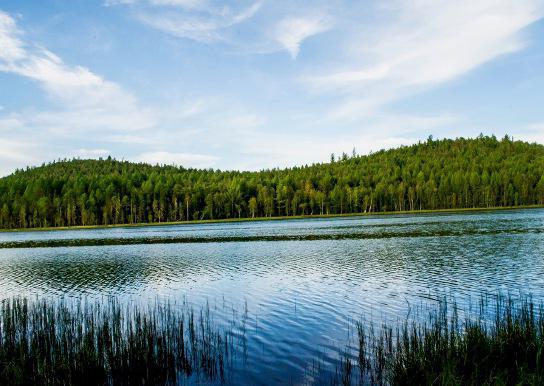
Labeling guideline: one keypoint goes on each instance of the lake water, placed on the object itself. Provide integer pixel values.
(303, 282)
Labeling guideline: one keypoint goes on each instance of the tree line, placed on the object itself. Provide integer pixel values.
(435, 174)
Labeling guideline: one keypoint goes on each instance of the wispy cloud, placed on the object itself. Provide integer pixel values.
(181, 3)
(10, 48)
(290, 32)
(434, 41)
(13, 150)
(90, 110)
(420, 44)
(86, 100)
(209, 21)
(534, 132)
(180, 159)
(91, 153)
(191, 4)
(204, 24)
(380, 132)
(84, 104)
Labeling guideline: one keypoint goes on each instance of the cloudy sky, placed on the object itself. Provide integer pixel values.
(258, 84)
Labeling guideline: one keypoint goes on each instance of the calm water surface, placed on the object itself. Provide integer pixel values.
(301, 296)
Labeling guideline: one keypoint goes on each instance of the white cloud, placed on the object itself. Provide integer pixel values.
(533, 132)
(86, 107)
(18, 153)
(451, 38)
(416, 45)
(173, 3)
(209, 21)
(87, 100)
(243, 122)
(180, 3)
(181, 159)
(109, 3)
(84, 92)
(10, 48)
(266, 147)
(91, 153)
(290, 32)
(350, 77)
(207, 24)
(10, 123)
(265, 150)
(16, 150)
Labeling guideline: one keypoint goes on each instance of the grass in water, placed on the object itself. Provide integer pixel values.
(104, 343)
(503, 344)
(73, 343)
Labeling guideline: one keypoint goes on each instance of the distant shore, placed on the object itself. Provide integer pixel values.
(275, 218)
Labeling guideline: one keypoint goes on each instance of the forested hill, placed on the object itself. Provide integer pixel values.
(459, 173)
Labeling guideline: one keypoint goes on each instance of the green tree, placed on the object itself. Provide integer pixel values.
(480, 172)
(253, 206)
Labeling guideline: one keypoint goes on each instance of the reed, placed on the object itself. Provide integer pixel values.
(54, 343)
(502, 343)
(83, 342)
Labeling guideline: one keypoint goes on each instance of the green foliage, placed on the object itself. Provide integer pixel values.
(445, 174)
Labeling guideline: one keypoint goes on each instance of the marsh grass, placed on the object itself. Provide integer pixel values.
(501, 344)
(82, 342)
(51, 343)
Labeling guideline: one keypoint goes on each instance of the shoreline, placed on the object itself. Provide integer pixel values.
(275, 218)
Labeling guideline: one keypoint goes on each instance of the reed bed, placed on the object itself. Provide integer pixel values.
(77, 342)
(501, 344)
(101, 343)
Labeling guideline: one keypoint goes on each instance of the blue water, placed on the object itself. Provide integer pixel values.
(301, 296)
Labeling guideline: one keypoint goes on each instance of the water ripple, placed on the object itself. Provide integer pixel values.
(303, 282)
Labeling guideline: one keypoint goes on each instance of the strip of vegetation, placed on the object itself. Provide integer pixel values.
(55, 243)
(446, 174)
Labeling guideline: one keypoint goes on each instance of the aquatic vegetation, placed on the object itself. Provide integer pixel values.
(50, 343)
(361, 235)
(104, 342)
(502, 344)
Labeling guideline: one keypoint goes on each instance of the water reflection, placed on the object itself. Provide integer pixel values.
(301, 295)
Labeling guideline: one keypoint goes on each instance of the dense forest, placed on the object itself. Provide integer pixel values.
(435, 174)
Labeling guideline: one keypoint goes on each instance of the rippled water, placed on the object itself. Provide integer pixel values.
(303, 281)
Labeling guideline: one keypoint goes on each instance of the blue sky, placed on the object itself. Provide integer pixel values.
(260, 84)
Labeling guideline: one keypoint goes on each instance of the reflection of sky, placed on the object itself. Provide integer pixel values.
(301, 295)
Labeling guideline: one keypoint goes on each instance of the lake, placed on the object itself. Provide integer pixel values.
(298, 284)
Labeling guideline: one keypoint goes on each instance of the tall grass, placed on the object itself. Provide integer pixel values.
(503, 343)
(75, 343)
(46, 343)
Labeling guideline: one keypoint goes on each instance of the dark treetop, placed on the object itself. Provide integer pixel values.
(436, 174)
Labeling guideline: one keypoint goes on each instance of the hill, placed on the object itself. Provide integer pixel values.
(436, 174)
